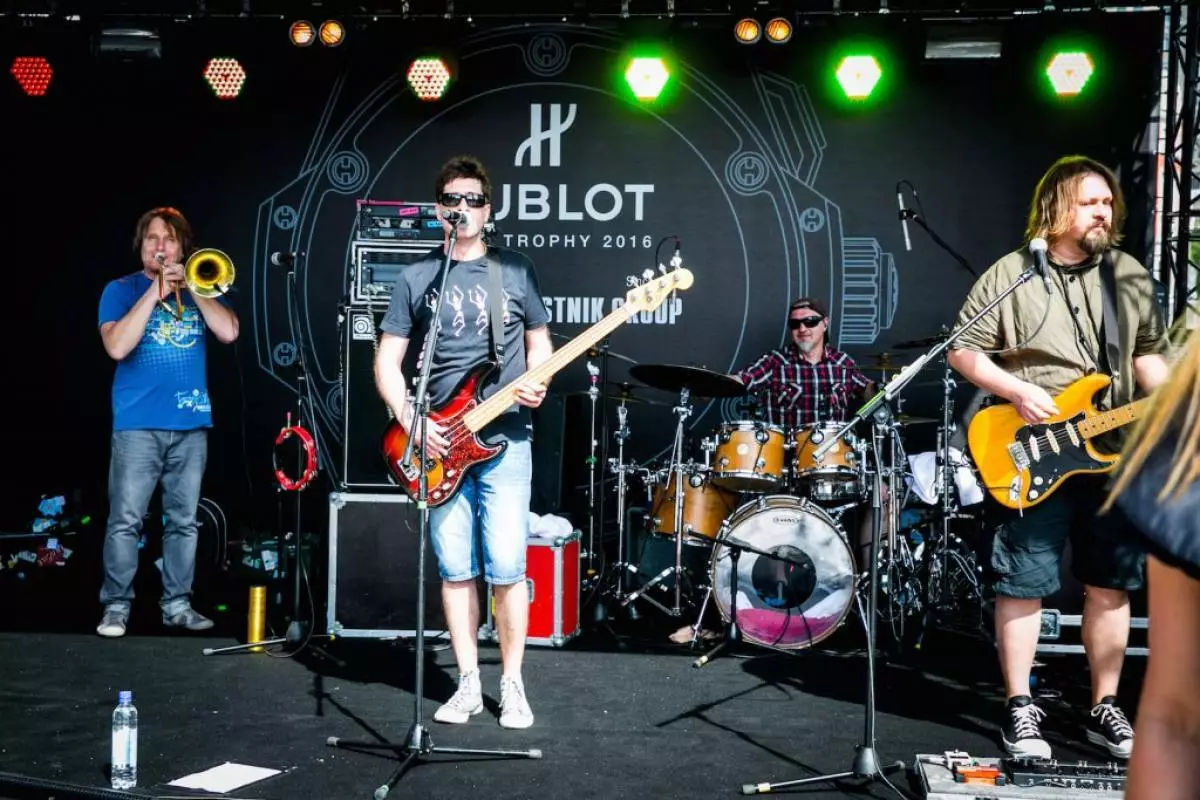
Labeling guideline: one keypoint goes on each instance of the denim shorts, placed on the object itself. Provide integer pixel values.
(493, 499)
(1027, 549)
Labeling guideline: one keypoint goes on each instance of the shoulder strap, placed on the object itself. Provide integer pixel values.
(496, 313)
(1110, 329)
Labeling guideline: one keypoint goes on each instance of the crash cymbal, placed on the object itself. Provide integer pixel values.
(920, 344)
(697, 380)
(908, 419)
(631, 393)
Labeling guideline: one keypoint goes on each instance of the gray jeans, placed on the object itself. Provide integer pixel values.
(140, 460)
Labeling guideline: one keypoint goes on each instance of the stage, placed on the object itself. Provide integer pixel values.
(623, 716)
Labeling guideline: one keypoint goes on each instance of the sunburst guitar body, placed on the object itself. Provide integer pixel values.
(465, 414)
(1023, 464)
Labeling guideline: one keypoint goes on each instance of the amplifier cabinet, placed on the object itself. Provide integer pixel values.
(372, 590)
(364, 414)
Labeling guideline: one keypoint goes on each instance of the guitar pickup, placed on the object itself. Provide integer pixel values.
(1020, 458)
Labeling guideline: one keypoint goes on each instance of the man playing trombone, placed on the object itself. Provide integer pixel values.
(152, 323)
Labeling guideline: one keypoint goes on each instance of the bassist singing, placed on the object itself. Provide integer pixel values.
(1093, 313)
(487, 290)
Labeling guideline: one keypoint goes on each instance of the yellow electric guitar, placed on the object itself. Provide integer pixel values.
(1022, 464)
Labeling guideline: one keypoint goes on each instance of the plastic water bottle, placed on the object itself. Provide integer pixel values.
(124, 742)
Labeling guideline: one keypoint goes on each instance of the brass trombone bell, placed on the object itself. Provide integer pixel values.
(209, 272)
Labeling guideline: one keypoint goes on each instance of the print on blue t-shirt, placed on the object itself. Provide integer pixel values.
(162, 384)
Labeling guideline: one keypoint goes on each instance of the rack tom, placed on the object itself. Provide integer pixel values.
(749, 456)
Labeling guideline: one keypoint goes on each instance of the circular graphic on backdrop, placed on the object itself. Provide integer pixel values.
(595, 188)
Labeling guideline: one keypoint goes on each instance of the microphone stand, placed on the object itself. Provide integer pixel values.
(866, 762)
(908, 213)
(418, 743)
(299, 632)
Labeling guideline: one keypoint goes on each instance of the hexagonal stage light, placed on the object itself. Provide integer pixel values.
(33, 74)
(225, 76)
(858, 75)
(647, 76)
(1069, 72)
(428, 77)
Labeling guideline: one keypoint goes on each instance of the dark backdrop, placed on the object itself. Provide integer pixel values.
(773, 187)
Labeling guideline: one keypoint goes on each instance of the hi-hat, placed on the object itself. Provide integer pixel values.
(697, 380)
(616, 392)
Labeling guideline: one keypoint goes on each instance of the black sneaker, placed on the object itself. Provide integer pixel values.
(1021, 734)
(1110, 728)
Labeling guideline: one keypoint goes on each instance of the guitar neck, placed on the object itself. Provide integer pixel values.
(498, 403)
(1111, 420)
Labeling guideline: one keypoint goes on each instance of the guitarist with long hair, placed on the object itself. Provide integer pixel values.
(493, 498)
(1040, 340)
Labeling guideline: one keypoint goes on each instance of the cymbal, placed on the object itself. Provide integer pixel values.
(615, 392)
(908, 419)
(916, 344)
(697, 380)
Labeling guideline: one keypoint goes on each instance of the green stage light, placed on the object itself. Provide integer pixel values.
(1069, 72)
(647, 77)
(858, 75)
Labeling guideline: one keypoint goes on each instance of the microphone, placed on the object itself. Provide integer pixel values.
(1038, 248)
(457, 217)
(282, 259)
(903, 218)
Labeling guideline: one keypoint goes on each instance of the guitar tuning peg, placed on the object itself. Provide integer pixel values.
(662, 268)
(631, 281)
(648, 275)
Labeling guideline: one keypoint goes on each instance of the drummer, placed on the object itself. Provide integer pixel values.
(809, 382)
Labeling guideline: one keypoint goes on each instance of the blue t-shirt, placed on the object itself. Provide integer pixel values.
(162, 384)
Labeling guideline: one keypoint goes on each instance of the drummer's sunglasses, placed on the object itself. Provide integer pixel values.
(808, 322)
(452, 199)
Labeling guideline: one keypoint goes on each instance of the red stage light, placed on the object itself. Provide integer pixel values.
(225, 76)
(33, 74)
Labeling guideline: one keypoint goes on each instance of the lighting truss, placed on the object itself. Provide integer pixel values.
(1178, 213)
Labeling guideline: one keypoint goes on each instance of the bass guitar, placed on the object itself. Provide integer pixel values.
(465, 413)
(1022, 464)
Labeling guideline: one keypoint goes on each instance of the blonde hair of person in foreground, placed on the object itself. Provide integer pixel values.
(1165, 764)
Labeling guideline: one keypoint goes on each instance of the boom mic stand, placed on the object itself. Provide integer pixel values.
(418, 743)
(866, 762)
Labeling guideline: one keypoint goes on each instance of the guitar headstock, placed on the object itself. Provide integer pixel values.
(651, 293)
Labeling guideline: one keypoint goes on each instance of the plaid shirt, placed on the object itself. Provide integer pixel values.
(793, 392)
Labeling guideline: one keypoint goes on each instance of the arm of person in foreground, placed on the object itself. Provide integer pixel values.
(1166, 751)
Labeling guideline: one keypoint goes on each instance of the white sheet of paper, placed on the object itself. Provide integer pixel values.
(225, 778)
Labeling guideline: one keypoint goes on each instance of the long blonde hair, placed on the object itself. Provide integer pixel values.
(1180, 394)
(1052, 210)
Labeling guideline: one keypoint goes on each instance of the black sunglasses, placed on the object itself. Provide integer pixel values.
(452, 199)
(808, 322)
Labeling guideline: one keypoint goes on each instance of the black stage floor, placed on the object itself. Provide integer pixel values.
(635, 720)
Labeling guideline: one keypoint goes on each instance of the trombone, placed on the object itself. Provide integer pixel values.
(208, 272)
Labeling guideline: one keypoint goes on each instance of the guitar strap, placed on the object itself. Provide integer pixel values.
(1110, 327)
(496, 313)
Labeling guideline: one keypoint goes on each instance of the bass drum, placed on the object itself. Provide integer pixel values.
(797, 599)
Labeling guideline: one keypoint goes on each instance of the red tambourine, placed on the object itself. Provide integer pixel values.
(310, 452)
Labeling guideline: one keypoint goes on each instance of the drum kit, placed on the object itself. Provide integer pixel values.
(766, 508)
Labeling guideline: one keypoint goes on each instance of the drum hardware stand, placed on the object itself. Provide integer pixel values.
(418, 743)
(618, 466)
(675, 469)
(866, 763)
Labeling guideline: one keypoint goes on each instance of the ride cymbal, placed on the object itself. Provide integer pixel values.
(697, 380)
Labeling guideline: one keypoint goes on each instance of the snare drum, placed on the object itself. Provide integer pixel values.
(705, 507)
(836, 478)
(749, 456)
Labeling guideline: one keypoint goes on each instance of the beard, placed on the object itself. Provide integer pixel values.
(1096, 241)
(806, 345)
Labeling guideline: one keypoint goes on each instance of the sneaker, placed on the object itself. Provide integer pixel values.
(514, 707)
(1110, 728)
(1021, 734)
(188, 618)
(112, 624)
(466, 702)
